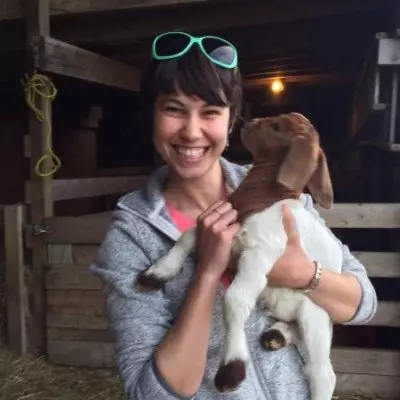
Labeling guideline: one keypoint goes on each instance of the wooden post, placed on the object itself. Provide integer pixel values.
(15, 283)
(37, 24)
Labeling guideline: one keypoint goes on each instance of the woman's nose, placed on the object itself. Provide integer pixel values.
(192, 129)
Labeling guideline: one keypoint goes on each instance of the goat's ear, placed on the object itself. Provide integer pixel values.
(320, 184)
(298, 165)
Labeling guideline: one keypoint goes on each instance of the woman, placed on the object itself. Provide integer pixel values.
(169, 342)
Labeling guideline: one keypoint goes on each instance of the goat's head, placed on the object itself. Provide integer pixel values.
(304, 163)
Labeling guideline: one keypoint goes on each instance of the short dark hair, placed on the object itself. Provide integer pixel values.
(195, 75)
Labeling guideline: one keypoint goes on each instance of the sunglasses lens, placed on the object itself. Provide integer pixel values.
(219, 50)
(171, 44)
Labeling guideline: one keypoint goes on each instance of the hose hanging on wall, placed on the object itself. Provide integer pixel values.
(36, 86)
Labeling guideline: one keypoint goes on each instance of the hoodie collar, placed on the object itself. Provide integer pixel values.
(149, 202)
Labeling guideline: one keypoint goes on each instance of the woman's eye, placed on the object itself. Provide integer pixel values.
(172, 109)
(211, 113)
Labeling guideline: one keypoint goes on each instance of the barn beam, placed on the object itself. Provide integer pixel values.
(130, 25)
(202, 17)
(11, 9)
(52, 55)
(37, 24)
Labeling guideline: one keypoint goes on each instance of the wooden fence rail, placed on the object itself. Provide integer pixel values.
(68, 189)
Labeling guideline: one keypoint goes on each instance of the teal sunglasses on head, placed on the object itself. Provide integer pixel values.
(171, 45)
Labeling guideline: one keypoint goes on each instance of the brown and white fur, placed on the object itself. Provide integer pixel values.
(287, 158)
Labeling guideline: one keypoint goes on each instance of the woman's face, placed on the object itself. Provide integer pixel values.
(189, 134)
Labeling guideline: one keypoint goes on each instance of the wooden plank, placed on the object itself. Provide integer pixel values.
(81, 354)
(11, 9)
(17, 311)
(364, 215)
(387, 314)
(77, 318)
(76, 230)
(37, 24)
(374, 386)
(61, 58)
(79, 335)
(71, 254)
(67, 189)
(80, 298)
(380, 265)
(84, 254)
(71, 277)
(366, 361)
(125, 171)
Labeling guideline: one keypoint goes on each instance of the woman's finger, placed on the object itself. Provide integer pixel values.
(210, 210)
(216, 213)
(289, 224)
(225, 220)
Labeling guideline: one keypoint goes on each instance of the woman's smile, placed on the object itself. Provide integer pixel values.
(191, 154)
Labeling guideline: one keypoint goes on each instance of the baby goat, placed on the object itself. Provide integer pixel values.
(287, 158)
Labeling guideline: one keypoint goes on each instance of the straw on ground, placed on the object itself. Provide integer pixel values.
(27, 379)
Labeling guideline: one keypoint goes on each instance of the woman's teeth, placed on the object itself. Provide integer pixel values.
(191, 152)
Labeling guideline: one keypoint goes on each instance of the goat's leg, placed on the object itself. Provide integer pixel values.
(240, 299)
(169, 265)
(316, 330)
(279, 335)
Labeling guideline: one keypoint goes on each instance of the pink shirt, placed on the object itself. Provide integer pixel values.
(183, 223)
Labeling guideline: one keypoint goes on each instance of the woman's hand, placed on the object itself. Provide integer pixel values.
(216, 229)
(293, 269)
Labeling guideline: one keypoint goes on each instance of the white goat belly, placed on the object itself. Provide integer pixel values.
(283, 303)
(265, 230)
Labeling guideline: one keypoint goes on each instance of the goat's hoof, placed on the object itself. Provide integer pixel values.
(230, 376)
(148, 282)
(273, 340)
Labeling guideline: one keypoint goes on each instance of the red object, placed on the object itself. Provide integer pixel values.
(183, 223)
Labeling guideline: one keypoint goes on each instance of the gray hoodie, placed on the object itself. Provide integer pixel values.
(141, 231)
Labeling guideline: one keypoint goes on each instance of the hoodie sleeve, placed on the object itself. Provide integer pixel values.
(368, 304)
(137, 320)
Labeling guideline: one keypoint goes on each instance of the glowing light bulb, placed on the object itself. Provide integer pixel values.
(277, 86)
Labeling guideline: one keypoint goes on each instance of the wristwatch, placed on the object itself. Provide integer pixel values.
(315, 279)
